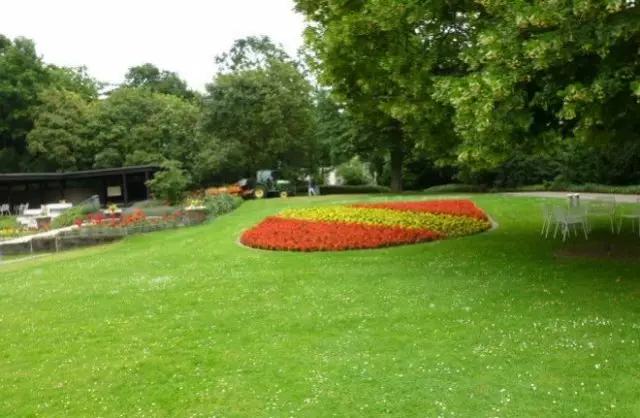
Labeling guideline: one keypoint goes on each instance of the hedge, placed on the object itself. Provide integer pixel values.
(554, 187)
(332, 190)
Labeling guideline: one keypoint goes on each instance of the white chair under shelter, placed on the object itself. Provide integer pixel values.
(5, 209)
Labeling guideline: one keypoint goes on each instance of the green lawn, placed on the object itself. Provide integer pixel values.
(188, 323)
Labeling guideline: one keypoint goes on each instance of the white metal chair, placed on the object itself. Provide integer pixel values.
(5, 209)
(547, 218)
(565, 220)
(633, 214)
(604, 206)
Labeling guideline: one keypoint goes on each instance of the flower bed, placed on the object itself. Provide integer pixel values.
(366, 226)
(445, 207)
(278, 233)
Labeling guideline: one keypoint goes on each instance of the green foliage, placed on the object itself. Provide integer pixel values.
(170, 184)
(260, 116)
(151, 77)
(151, 127)
(380, 59)
(23, 77)
(70, 216)
(335, 190)
(354, 173)
(221, 204)
(8, 222)
(60, 135)
(544, 71)
(455, 188)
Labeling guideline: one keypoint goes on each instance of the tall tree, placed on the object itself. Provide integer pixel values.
(540, 73)
(381, 58)
(158, 81)
(136, 126)
(60, 137)
(260, 109)
(23, 76)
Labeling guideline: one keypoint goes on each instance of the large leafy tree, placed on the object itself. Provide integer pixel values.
(381, 59)
(158, 81)
(60, 138)
(334, 131)
(260, 109)
(540, 73)
(136, 126)
(23, 76)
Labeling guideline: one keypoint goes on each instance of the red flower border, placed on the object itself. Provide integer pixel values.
(297, 235)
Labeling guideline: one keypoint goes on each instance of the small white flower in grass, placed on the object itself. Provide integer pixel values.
(575, 409)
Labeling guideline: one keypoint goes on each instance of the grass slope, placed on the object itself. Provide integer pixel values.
(188, 323)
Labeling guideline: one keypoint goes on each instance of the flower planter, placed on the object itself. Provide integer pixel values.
(196, 215)
(113, 214)
(44, 222)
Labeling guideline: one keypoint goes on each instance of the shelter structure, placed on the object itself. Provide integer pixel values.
(113, 185)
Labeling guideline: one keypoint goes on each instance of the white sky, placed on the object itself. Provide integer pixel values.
(176, 35)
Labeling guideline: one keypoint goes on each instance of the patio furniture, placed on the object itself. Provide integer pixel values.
(633, 214)
(603, 206)
(564, 219)
(5, 209)
(547, 218)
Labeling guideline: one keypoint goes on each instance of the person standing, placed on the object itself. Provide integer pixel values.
(312, 187)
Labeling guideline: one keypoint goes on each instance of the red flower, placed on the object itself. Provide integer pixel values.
(296, 235)
(78, 223)
(443, 207)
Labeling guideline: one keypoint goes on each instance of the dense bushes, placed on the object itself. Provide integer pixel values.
(355, 173)
(332, 190)
(170, 184)
(69, 216)
(220, 204)
(569, 163)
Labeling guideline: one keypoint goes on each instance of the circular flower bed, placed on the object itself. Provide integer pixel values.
(362, 226)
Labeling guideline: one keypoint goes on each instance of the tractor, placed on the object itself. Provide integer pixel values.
(268, 183)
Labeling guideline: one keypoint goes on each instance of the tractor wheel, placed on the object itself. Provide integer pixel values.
(260, 193)
(284, 194)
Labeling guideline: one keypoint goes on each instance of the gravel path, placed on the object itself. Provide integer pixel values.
(624, 198)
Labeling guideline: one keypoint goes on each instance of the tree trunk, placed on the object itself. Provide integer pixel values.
(397, 157)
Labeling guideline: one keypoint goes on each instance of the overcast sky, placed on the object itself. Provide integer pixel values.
(177, 35)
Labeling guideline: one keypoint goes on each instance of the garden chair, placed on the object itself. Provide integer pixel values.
(547, 218)
(633, 214)
(604, 206)
(5, 209)
(564, 219)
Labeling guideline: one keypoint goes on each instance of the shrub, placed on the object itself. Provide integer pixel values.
(8, 222)
(153, 210)
(70, 216)
(456, 188)
(333, 190)
(218, 205)
(170, 184)
(354, 173)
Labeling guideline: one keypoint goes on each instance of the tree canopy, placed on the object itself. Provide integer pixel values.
(492, 92)
(260, 110)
